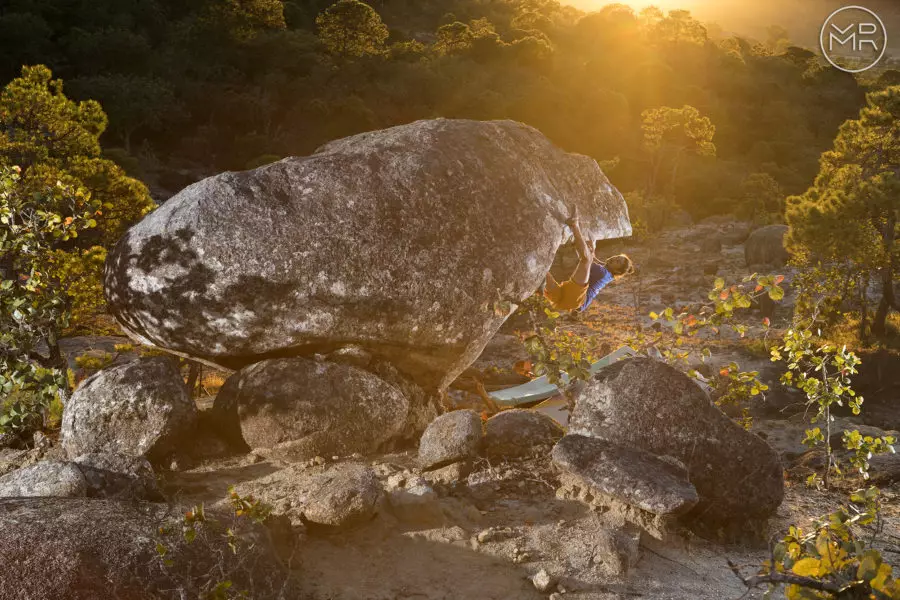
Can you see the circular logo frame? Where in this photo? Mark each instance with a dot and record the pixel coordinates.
(825, 27)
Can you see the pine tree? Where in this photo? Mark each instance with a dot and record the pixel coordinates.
(849, 216)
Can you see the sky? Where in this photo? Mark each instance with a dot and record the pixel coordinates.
(802, 18)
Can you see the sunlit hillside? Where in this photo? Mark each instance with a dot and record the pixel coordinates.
(751, 17)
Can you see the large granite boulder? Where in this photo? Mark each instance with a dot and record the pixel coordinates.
(84, 549)
(765, 246)
(649, 405)
(412, 243)
(140, 408)
(304, 408)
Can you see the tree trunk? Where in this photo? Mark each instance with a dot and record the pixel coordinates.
(863, 309)
(193, 376)
(887, 279)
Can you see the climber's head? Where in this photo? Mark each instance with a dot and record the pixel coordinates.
(619, 266)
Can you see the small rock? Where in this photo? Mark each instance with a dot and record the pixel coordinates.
(520, 433)
(303, 409)
(412, 500)
(485, 535)
(542, 581)
(41, 441)
(450, 474)
(343, 495)
(45, 479)
(884, 469)
(450, 438)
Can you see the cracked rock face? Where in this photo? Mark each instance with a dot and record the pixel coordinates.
(626, 474)
(138, 409)
(409, 243)
(648, 405)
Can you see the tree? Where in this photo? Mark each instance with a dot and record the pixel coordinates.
(453, 38)
(680, 27)
(52, 138)
(351, 28)
(35, 307)
(242, 19)
(762, 198)
(671, 132)
(849, 216)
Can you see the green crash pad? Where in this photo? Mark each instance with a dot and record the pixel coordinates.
(540, 389)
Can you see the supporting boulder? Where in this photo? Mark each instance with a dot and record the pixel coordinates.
(649, 405)
(303, 408)
(412, 243)
(138, 409)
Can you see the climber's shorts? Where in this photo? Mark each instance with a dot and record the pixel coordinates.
(567, 295)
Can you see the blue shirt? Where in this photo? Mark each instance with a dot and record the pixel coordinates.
(600, 277)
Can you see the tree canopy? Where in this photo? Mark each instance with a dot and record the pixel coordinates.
(196, 87)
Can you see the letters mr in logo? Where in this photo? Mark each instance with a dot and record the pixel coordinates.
(856, 34)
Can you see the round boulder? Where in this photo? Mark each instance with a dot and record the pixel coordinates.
(138, 409)
(765, 246)
(450, 438)
(44, 480)
(648, 405)
(520, 433)
(304, 408)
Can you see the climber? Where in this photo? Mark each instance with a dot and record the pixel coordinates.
(590, 275)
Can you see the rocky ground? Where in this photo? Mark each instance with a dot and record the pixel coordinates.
(500, 526)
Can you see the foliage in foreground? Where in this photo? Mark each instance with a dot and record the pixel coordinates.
(35, 306)
(833, 561)
(198, 529)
